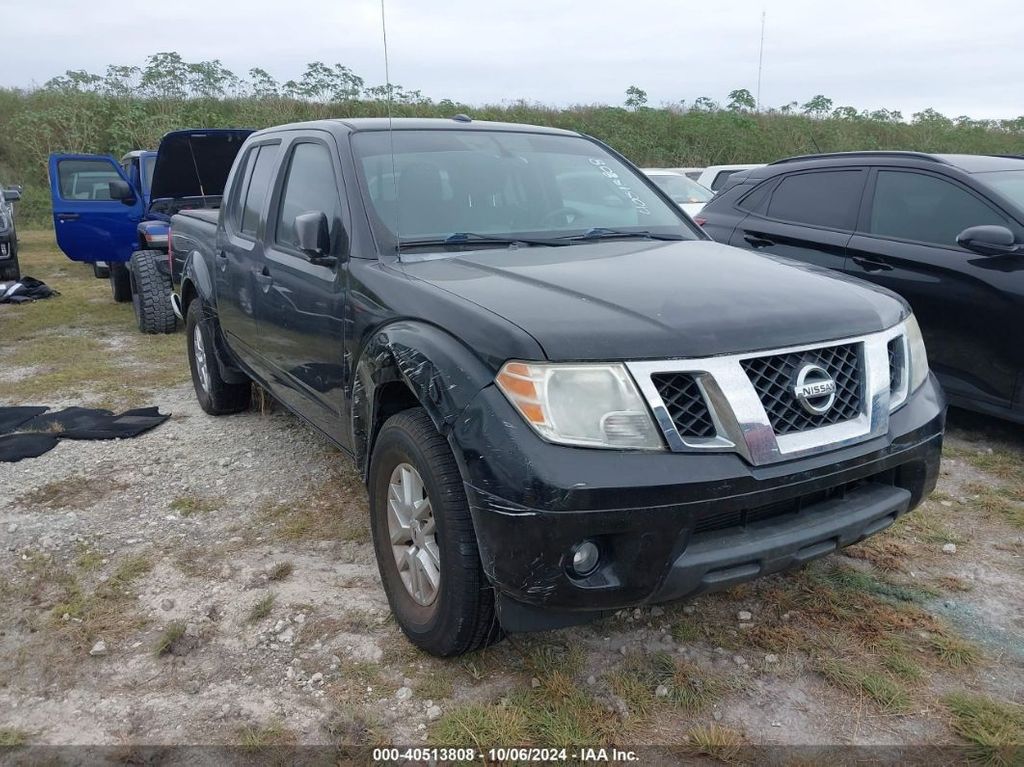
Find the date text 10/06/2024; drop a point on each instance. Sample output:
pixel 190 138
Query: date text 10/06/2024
pixel 502 755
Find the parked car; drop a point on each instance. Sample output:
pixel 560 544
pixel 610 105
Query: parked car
pixel 564 399
pixel 691 173
pixel 9 267
pixel 685 192
pixel 715 176
pixel 943 231
pixel 115 215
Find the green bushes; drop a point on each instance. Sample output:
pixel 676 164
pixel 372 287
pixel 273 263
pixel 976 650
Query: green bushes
pixel 132 108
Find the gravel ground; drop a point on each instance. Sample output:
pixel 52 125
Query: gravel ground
pixel 212 581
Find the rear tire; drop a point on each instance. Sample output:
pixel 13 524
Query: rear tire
pixel 456 615
pixel 10 270
pixel 216 396
pixel 120 282
pixel 151 293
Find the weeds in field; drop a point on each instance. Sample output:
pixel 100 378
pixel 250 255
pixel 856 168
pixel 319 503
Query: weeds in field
pixel 262 608
pixel 995 729
pixel 262 736
pixel 280 571
pixel 11 737
pixel 172 634
pixel 718 742
pixel 187 505
pixel 74 492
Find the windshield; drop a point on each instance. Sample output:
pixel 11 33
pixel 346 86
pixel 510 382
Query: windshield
pixel 681 189
pixel 1009 183
pixel 503 185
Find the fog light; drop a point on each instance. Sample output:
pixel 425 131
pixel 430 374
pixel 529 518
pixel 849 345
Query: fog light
pixel 584 558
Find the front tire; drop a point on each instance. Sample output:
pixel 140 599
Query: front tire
pixel 216 396
pixel 120 282
pixel 424 540
pixel 151 294
pixel 10 270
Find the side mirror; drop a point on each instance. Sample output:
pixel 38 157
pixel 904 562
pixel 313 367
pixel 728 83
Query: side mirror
pixel 121 190
pixel 988 240
pixel 314 237
pixel 13 194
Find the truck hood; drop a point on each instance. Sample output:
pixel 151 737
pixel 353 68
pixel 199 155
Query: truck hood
pixel 194 163
pixel 660 300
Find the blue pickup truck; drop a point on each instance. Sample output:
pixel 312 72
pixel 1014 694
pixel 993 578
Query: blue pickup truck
pixel 115 215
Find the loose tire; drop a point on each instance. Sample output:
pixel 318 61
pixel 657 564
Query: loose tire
pixel 151 293
pixel 120 282
pixel 100 272
pixel 414 479
pixel 216 396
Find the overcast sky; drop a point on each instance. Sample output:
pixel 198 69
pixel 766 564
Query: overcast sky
pixel 958 57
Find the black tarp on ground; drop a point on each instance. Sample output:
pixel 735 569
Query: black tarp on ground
pixel 39 431
pixel 24 290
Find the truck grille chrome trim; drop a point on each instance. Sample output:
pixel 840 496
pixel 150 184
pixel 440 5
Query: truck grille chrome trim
pixel 745 397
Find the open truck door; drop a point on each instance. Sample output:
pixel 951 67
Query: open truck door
pixel 96 208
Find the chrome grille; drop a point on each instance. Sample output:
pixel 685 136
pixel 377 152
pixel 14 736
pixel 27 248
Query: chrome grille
pixel 774 378
pixel 685 404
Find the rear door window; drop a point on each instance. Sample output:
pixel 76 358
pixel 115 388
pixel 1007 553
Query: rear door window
pixel 86 179
pixel 923 208
pixel 828 199
pixel 258 188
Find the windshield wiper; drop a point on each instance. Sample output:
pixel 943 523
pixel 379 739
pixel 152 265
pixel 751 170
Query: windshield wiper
pixel 458 239
pixel 603 233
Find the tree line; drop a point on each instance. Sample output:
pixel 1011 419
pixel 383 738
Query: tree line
pixel 131 107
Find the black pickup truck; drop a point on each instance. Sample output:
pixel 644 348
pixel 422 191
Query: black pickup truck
pixel 564 398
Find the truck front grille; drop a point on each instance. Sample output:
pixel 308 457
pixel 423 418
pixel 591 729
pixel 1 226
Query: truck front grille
pixel 896 364
pixel 774 378
pixel 685 404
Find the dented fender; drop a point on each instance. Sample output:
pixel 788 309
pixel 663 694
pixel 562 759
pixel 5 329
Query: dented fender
pixel 442 373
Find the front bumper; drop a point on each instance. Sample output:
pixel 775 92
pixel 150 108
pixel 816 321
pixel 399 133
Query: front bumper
pixel 672 525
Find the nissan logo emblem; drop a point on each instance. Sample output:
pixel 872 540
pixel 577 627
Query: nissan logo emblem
pixel 815 389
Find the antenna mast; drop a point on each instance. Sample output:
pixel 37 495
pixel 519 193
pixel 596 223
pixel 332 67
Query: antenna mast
pixel 391 132
pixel 760 63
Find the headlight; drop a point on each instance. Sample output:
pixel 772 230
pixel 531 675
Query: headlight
pixel 580 404
pixel 918 362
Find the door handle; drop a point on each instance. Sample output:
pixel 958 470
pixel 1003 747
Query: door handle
pixel 265 279
pixel 870 264
pixel 757 241
pixel 221 260
pixel 221 255
pixel 67 216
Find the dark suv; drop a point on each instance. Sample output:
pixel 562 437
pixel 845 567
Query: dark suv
pixel 944 231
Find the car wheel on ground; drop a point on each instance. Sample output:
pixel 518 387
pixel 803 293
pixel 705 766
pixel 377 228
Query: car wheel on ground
pixel 151 293
pixel 424 540
pixel 120 283
pixel 10 270
pixel 100 270
pixel 216 396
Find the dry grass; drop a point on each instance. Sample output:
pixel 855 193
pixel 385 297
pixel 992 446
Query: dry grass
pixel 187 505
pixel 280 571
pixel 1003 501
pixel 717 742
pixel 1003 463
pixel 81 343
pixel 888 694
pixel 334 511
pixel 74 492
pixel 11 737
pixel 262 736
pixel 995 729
pixel 170 635
pixel 262 608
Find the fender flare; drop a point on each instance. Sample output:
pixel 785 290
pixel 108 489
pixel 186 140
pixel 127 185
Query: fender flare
pixel 443 374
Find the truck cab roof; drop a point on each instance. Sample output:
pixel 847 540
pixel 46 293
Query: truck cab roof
pixel 459 122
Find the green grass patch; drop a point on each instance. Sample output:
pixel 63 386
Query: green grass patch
pixel 954 651
pixel 187 505
pixel 263 736
pixel 995 729
pixel 262 608
pixel 888 694
pixel 721 743
pixel 280 571
pixel 168 637
pixel 11 737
